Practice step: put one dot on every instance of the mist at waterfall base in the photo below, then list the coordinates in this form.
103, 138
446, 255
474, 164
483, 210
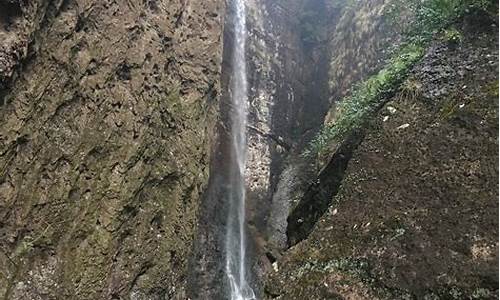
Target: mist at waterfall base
235, 246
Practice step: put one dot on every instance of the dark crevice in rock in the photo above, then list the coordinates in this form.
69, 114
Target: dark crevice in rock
3, 93
66, 5
143, 270
319, 195
51, 11
271, 295
22, 54
300, 103
9, 11
277, 139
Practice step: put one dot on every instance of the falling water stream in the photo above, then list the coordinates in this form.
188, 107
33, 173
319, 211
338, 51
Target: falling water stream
236, 269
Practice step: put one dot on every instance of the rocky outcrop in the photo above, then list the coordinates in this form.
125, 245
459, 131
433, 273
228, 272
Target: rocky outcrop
337, 44
106, 120
416, 214
359, 41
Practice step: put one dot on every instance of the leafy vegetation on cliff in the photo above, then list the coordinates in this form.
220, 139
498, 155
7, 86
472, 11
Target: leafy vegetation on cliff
426, 19
364, 99
429, 17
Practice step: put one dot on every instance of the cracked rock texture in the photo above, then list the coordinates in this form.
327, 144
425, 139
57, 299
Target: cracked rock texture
106, 116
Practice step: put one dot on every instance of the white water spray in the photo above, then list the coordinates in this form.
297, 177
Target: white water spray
235, 235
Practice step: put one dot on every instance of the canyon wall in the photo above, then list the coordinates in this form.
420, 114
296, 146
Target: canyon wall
113, 151
106, 122
405, 207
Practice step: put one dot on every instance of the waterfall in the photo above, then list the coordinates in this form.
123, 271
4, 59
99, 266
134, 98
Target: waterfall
236, 269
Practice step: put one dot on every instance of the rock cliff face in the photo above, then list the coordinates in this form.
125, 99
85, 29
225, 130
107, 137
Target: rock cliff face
106, 120
323, 50
413, 213
113, 146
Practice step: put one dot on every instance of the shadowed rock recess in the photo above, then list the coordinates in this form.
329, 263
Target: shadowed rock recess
369, 175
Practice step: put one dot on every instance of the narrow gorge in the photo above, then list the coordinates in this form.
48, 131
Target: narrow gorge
249, 149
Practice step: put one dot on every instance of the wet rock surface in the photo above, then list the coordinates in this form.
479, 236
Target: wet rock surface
416, 216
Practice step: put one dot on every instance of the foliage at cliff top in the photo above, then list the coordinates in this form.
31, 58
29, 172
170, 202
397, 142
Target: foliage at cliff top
419, 20
426, 18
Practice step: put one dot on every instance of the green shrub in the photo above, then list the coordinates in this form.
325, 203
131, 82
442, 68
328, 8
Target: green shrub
365, 98
452, 35
432, 16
